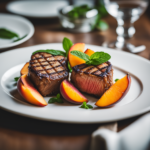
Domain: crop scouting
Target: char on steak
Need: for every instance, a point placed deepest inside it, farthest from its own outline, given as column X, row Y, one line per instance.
column 93, row 80
column 47, row 72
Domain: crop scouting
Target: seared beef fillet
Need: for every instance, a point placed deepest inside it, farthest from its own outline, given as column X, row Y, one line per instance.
column 47, row 72
column 93, row 80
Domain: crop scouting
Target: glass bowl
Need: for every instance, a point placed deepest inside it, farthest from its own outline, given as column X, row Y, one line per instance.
column 84, row 24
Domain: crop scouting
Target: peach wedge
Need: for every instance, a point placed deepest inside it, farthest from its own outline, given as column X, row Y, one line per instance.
column 74, row 60
column 115, row 93
column 71, row 94
column 89, row 52
column 28, row 92
column 24, row 70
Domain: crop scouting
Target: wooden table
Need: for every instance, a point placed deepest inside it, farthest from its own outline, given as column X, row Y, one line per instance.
column 18, row 132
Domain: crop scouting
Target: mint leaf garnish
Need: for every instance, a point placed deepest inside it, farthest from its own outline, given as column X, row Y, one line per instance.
column 52, row 100
column 16, row 78
column 99, row 58
column 7, row 34
column 80, row 55
column 51, row 51
column 116, row 80
column 86, row 106
column 56, row 99
column 58, row 95
column 67, row 45
column 95, row 59
column 89, row 106
column 20, row 38
column 59, row 100
column 69, row 67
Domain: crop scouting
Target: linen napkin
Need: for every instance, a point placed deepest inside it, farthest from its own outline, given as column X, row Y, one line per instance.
column 135, row 137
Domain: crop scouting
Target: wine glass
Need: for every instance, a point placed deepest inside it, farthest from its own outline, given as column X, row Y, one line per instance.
column 126, row 13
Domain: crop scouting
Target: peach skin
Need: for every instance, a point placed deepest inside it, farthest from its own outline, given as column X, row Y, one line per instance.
column 71, row 94
column 74, row 60
column 28, row 92
column 115, row 93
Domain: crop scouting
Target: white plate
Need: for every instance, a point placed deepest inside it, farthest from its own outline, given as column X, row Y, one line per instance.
column 36, row 9
column 19, row 25
column 136, row 102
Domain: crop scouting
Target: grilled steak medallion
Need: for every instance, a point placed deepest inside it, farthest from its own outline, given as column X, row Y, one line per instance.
column 93, row 80
column 47, row 72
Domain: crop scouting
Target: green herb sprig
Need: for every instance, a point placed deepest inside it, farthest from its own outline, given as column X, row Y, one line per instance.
column 95, row 59
column 67, row 45
column 51, row 51
column 80, row 12
column 16, row 78
column 7, row 34
column 86, row 106
column 56, row 99
column 116, row 80
column 69, row 67
column 20, row 38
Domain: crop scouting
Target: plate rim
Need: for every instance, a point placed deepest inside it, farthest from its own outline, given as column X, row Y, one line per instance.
column 23, row 20
column 81, row 122
column 8, row 7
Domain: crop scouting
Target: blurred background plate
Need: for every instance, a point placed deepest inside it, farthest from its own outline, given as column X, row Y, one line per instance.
column 36, row 9
column 17, row 24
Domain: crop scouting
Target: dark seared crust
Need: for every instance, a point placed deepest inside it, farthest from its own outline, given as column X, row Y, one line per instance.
column 47, row 72
column 49, row 66
column 99, row 70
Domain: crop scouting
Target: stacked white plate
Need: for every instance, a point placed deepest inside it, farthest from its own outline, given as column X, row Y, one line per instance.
column 17, row 24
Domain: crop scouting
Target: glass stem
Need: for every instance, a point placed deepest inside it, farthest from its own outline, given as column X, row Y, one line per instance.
column 125, row 31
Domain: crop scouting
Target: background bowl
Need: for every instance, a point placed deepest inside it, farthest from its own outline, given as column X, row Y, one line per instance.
column 84, row 24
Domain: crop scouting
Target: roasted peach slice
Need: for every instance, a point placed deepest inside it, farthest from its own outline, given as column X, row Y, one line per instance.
column 115, row 93
column 71, row 94
column 74, row 60
column 28, row 92
column 24, row 70
column 89, row 52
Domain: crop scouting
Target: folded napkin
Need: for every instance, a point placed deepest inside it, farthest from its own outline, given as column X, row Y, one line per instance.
column 135, row 137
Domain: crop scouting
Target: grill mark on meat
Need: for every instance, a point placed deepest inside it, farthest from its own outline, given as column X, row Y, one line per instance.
column 53, row 63
column 42, row 67
column 44, row 57
column 80, row 67
column 99, row 70
column 91, row 70
column 62, row 60
column 46, row 66
column 96, row 72
column 85, row 69
column 38, row 56
column 57, row 69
